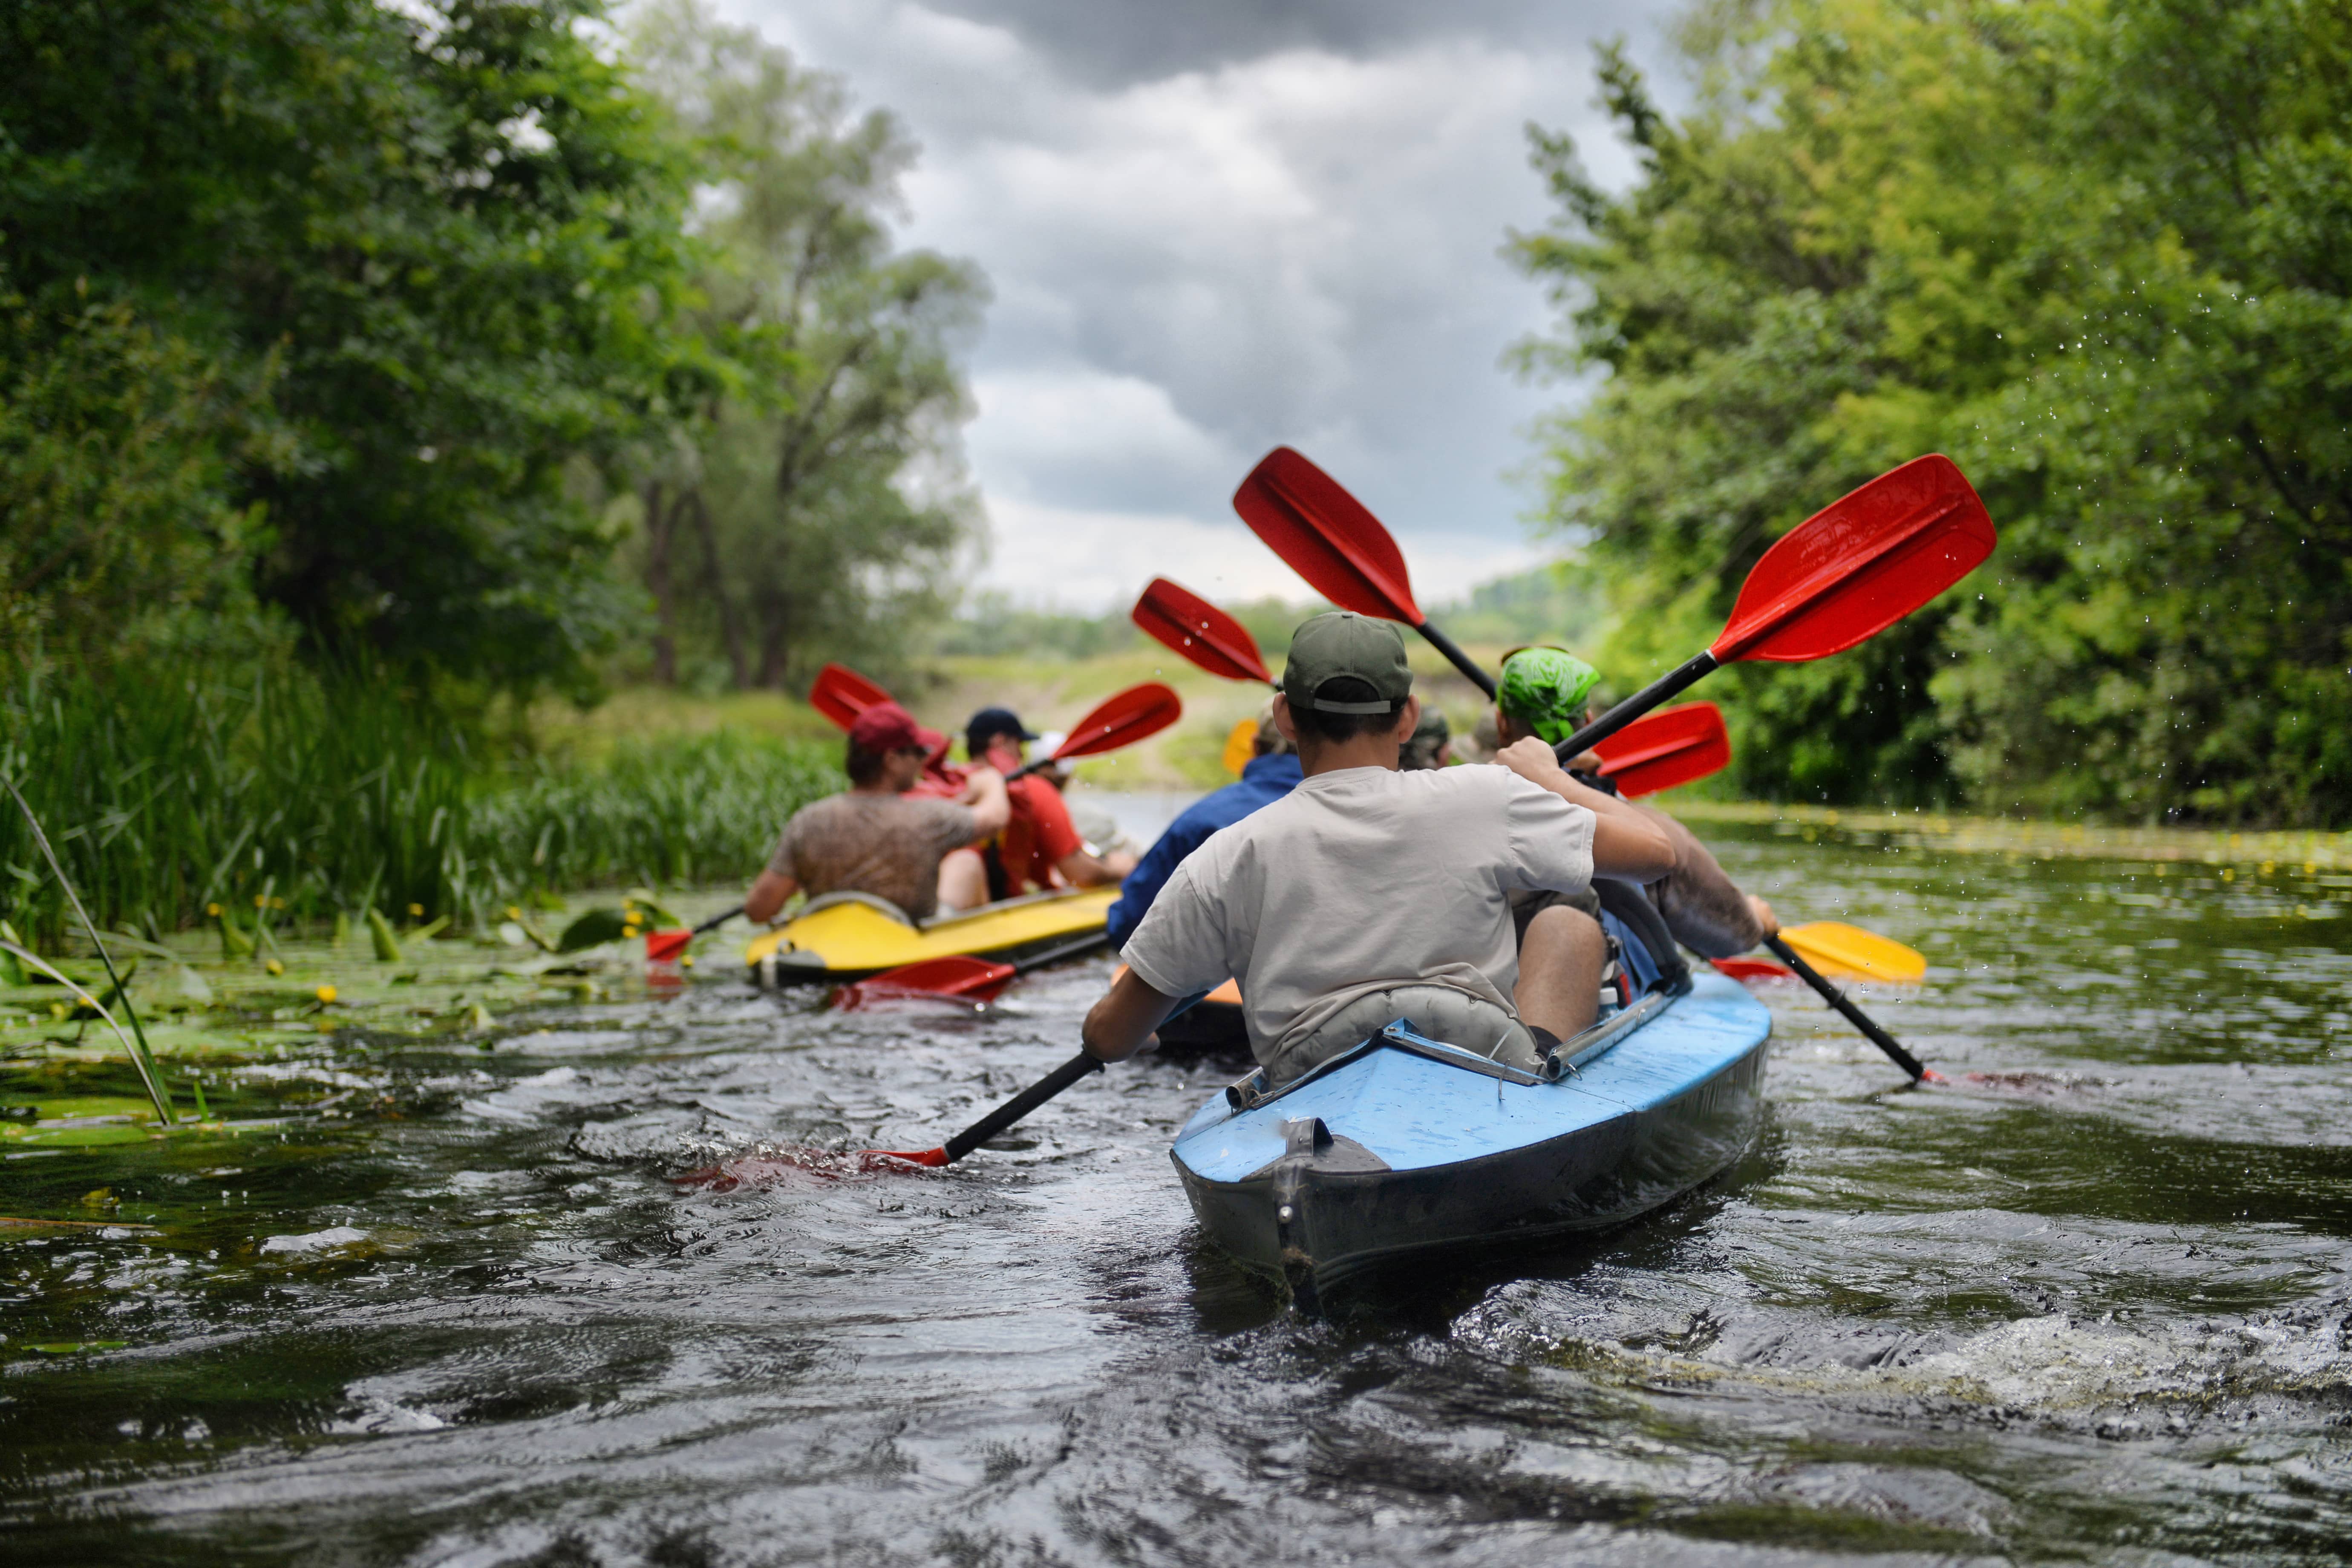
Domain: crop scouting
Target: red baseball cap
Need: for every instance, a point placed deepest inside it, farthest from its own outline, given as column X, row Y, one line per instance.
column 887, row 726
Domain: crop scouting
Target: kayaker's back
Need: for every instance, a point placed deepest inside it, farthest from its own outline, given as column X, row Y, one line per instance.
column 1361, row 875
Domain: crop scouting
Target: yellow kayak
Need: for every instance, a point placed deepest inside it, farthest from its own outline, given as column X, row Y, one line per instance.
column 847, row 936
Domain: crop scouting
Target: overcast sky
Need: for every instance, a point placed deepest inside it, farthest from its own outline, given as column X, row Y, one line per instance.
column 1212, row 226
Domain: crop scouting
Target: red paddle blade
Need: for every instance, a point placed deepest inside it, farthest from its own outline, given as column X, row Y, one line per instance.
column 960, row 977
column 842, row 694
column 1123, row 720
column 933, row 1157
column 1753, row 969
column 1327, row 537
column 1860, row 565
column 1670, row 747
column 1200, row 631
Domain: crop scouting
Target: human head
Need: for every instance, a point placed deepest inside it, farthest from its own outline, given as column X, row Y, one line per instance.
column 1542, row 693
column 888, row 748
column 1431, row 746
column 1347, row 678
column 991, row 727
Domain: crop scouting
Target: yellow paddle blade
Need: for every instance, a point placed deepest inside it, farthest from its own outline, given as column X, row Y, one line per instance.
column 1836, row 948
column 1241, row 745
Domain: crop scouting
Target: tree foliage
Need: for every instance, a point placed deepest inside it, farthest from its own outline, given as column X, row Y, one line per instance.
column 352, row 287
column 810, row 508
column 2099, row 253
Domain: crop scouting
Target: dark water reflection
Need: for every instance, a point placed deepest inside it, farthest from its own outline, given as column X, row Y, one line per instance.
column 2101, row 1315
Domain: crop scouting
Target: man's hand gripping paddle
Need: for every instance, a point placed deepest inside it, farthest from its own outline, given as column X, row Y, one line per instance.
column 1328, row 538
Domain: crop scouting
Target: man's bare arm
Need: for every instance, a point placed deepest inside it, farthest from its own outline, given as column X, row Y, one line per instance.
column 1122, row 1023
column 991, row 808
column 767, row 896
column 1081, row 870
column 1704, row 906
column 1626, row 844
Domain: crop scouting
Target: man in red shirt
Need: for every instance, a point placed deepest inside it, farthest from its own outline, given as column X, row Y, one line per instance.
column 1039, row 847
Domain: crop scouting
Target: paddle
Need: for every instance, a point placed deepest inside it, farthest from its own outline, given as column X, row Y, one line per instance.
column 1121, row 719
column 997, row 1120
column 714, row 922
column 1839, row 948
column 1200, row 631
column 1328, row 538
column 841, row 694
column 959, row 977
column 1836, row 948
column 1853, row 1014
column 1839, row 578
column 1666, row 749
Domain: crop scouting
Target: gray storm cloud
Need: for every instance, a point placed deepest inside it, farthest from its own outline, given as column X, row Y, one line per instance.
column 1212, row 228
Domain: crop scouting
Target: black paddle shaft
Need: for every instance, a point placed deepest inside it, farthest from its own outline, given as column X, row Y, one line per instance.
column 1462, row 661
column 1672, row 684
column 1853, row 1014
column 1021, row 1105
column 715, row 922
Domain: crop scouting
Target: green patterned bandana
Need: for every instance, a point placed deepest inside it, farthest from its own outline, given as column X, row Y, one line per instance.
column 1545, row 690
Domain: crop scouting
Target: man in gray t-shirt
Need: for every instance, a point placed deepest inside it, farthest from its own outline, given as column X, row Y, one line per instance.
column 877, row 839
column 1370, row 892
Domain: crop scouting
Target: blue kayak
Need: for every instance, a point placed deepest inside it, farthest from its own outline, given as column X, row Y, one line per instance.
column 1406, row 1144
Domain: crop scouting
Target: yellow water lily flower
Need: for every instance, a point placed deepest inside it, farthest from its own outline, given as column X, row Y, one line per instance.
column 212, row 910
column 416, row 911
column 326, row 993
column 274, row 967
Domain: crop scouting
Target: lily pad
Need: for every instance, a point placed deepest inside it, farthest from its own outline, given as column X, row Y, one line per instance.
column 593, row 928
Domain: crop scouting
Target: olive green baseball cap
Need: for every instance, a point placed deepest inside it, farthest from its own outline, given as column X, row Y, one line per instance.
column 1343, row 643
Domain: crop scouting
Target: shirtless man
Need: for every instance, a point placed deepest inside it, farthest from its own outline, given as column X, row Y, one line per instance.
column 877, row 838
column 1369, row 894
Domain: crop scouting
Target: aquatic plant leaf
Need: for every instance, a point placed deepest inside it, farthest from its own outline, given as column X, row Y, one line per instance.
column 387, row 946
column 592, row 929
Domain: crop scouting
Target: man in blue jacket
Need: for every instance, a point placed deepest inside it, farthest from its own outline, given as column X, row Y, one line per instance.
column 1270, row 774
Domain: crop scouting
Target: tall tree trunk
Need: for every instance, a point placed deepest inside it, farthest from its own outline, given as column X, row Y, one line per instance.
column 731, row 630
column 775, row 640
column 661, row 530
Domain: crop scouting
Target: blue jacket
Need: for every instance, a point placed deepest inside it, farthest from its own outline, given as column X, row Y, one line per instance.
column 1263, row 781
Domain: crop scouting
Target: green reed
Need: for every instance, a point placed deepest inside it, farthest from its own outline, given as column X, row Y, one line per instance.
column 279, row 794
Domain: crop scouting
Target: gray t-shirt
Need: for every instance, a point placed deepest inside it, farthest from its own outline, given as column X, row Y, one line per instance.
column 887, row 844
column 1357, row 879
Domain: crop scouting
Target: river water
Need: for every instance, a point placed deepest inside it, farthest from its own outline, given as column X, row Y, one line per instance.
column 2097, row 1311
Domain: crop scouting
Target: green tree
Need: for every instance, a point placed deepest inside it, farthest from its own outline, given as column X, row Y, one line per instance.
column 447, row 242
column 2096, row 253
column 812, row 505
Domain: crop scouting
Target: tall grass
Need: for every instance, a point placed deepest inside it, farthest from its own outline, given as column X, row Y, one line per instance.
column 170, row 791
